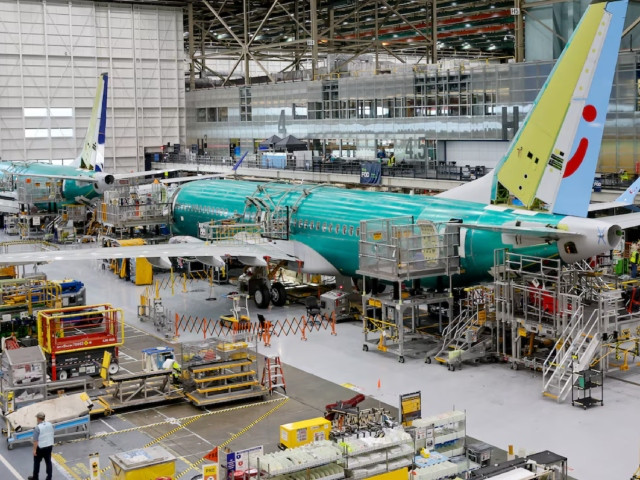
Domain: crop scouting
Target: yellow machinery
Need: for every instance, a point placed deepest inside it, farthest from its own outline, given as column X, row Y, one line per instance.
column 400, row 474
column 239, row 311
column 300, row 433
column 141, row 270
column 143, row 464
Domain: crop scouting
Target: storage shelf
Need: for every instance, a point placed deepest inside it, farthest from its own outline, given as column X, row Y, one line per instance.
column 302, row 466
column 378, row 447
column 386, row 458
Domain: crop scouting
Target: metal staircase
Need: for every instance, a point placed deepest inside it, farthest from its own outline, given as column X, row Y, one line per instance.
column 574, row 351
column 464, row 337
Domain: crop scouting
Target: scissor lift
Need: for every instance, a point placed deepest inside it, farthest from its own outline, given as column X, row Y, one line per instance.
column 74, row 339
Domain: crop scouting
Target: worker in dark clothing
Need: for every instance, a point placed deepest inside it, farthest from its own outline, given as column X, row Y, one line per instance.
column 42, row 446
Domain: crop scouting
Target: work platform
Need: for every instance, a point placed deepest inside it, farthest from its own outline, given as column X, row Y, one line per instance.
column 133, row 207
column 220, row 370
column 144, row 388
column 399, row 250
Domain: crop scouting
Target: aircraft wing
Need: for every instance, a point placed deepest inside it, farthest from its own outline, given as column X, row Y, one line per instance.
column 88, row 179
column 253, row 253
column 144, row 173
column 626, row 220
column 624, row 200
column 54, row 177
column 526, row 230
column 193, row 178
column 596, row 207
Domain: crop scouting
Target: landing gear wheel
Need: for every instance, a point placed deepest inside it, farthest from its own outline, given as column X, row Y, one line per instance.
column 113, row 368
column 261, row 297
column 63, row 375
column 365, row 348
column 278, row 294
column 427, row 360
column 401, row 359
column 453, row 368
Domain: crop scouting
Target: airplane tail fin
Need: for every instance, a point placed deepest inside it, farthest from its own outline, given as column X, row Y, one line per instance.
column 629, row 195
column 551, row 162
column 92, row 155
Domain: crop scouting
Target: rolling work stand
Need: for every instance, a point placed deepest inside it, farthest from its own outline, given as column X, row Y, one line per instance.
column 586, row 382
column 402, row 251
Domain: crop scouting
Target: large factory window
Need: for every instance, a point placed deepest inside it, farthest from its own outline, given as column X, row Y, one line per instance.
column 245, row 104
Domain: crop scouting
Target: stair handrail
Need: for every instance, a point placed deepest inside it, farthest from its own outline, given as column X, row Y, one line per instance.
column 553, row 358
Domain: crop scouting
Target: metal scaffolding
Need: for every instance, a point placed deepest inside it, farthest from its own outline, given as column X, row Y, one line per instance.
column 398, row 250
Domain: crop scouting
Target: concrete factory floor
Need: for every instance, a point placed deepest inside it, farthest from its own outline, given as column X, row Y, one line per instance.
column 503, row 406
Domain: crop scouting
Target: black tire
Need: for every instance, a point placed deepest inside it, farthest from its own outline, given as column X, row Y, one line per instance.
column 365, row 348
column 278, row 294
column 261, row 297
column 427, row 360
column 401, row 359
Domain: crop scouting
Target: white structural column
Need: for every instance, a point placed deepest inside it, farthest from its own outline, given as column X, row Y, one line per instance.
column 51, row 54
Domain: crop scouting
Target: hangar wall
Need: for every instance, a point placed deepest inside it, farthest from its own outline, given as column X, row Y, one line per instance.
column 415, row 113
column 51, row 53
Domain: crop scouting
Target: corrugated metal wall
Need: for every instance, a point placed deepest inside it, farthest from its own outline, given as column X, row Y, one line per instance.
column 51, row 54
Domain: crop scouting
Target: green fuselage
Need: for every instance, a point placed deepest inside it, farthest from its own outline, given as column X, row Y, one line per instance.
column 43, row 173
column 206, row 200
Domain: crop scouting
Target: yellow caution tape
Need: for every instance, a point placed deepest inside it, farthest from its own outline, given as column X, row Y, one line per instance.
column 188, row 421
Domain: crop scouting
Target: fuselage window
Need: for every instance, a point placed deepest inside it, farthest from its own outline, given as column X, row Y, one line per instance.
column 324, row 226
column 337, row 228
column 358, row 232
column 331, row 228
column 306, row 224
column 311, row 224
column 300, row 223
column 318, row 225
column 351, row 231
column 344, row 229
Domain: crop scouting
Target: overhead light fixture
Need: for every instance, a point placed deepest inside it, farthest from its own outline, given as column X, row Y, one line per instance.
column 492, row 6
column 466, row 46
column 395, row 35
column 492, row 47
column 454, row 4
column 467, row 25
column 459, row 12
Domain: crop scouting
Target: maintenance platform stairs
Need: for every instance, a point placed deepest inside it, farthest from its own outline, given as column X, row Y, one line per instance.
column 577, row 347
column 467, row 338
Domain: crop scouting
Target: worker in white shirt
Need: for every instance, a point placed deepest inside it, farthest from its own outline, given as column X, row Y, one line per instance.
column 42, row 446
